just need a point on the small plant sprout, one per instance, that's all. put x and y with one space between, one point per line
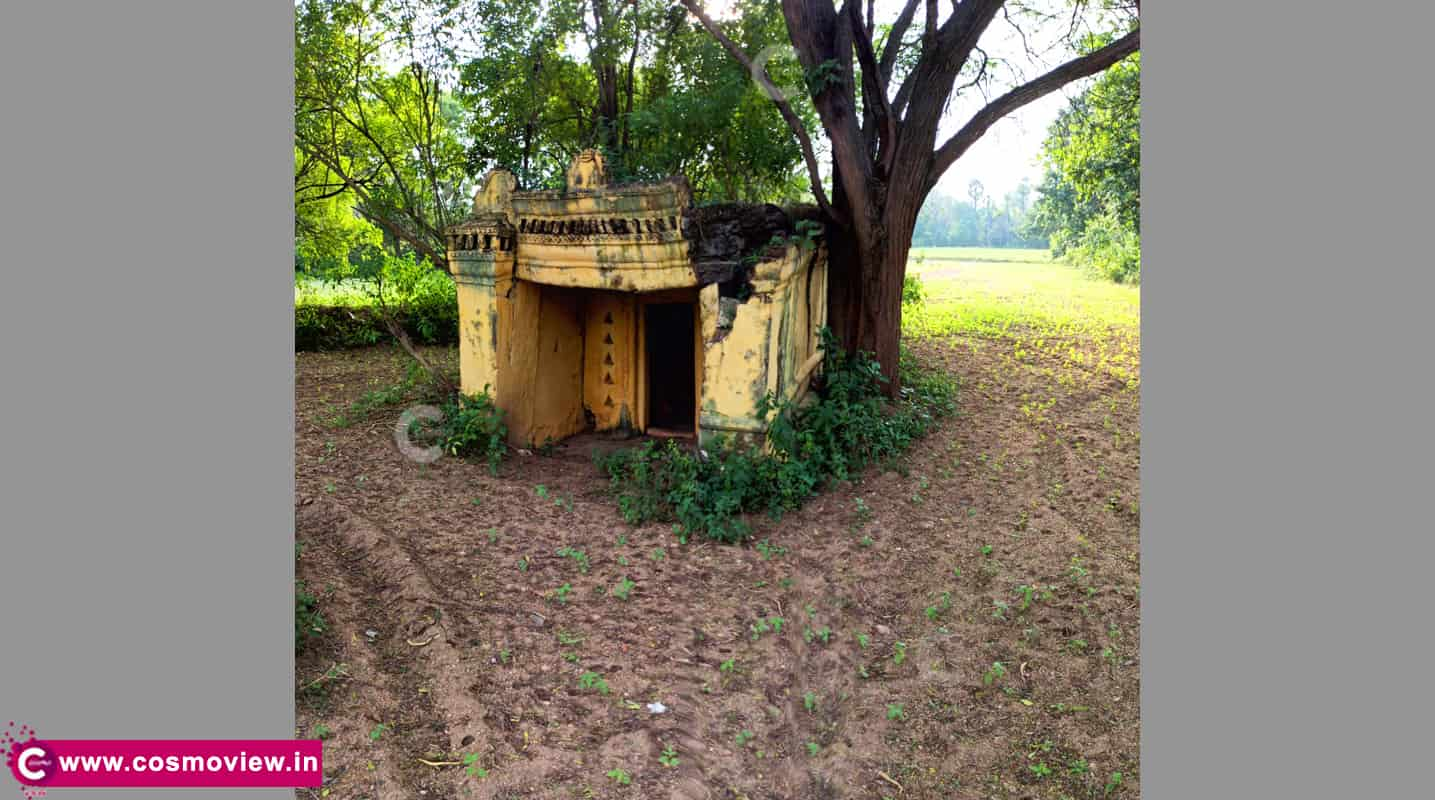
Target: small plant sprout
669 757
1040 770
623 588
999 609
592 680
762 626
541 491
822 634
809 702
770 551
896 711
471 767
728 666
813 749
986 550
863 640
864 512
658 554
994 673
620 777
378 732
321 731
578 556
899 653
561 593
743 737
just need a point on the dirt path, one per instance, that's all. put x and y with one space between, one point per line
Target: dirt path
1010 537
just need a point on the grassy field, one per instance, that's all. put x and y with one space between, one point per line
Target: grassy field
349 293
964 624
1023 296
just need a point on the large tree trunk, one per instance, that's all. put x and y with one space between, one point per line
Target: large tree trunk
605 69
866 265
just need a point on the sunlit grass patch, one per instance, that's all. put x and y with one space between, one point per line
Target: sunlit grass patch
999 254
345 293
1045 307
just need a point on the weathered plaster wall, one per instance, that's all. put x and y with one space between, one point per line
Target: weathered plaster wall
480 278
610 360
756 347
541 386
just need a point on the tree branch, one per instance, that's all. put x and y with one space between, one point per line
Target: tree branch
894 41
875 88
943 54
823 41
423 248
1087 65
783 107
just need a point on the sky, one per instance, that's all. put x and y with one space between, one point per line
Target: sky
1007 153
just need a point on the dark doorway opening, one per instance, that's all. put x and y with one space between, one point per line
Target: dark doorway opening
670 347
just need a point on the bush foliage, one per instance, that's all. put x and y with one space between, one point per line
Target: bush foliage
1106 248
1090 197
474 427
850 426
347 307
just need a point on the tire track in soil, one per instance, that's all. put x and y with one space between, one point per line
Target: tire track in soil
381 696
393 572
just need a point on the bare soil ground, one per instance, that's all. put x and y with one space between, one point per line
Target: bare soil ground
964 624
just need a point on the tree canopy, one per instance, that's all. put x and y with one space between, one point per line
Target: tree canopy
1090 202
400 105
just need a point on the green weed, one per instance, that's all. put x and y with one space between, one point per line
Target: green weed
592 680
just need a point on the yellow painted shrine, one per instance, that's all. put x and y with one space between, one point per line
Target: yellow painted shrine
624 307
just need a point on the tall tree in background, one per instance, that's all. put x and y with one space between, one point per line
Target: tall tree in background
638 80
886 157
1090 204
383 136
401 104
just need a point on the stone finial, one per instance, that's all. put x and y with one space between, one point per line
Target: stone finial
587 171
495 192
